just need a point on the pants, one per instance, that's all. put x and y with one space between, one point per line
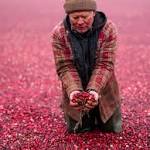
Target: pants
93 120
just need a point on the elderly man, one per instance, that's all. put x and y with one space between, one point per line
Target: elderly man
84 46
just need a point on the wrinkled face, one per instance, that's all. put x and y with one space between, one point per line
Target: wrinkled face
81 21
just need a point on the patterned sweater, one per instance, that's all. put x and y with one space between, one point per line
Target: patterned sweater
102 80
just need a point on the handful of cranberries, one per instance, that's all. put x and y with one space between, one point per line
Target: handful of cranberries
82 98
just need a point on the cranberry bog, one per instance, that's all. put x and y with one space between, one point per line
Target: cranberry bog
30 92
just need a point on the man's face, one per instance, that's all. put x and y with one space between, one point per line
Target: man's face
82 21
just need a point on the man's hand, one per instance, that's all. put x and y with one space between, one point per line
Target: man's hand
78 100
84 100
72 102
92 101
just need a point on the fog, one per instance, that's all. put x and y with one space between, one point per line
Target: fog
16 11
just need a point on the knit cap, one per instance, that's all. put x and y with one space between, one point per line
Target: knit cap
77 5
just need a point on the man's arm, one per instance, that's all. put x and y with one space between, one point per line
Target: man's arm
105 59
64 63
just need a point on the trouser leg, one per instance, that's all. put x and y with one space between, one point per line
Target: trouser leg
87 123
114 124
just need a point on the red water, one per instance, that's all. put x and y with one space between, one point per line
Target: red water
30 93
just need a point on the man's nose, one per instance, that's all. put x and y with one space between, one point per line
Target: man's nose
80 21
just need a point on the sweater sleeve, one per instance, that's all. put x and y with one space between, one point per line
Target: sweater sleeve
64 62
105 58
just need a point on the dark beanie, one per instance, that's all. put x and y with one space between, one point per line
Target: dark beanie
77 5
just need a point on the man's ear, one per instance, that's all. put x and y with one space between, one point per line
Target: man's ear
94 13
